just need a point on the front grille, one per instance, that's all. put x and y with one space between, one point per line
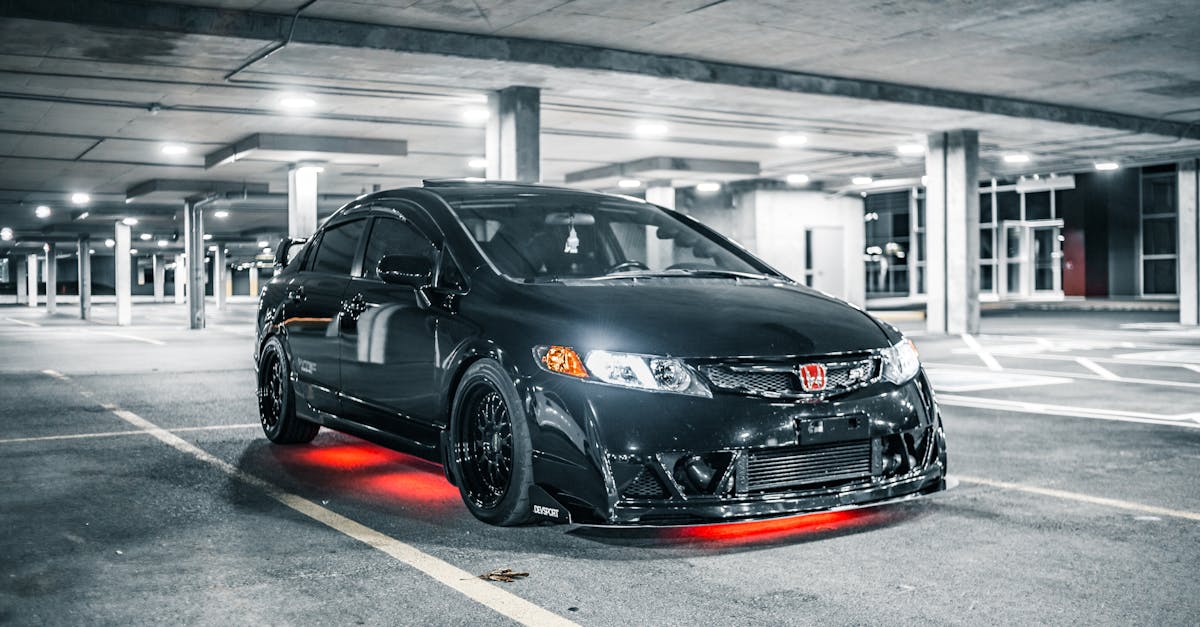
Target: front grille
796 466
645 486
779 380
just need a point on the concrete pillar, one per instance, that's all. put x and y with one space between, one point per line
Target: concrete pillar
180 277
160 278
218 276
31 278
254 280
84 271
22 281
514 130
228 282
660 253
123 280
194 247
302 201
952 232
51 278
1188 186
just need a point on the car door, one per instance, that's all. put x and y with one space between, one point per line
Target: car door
313 309
388 340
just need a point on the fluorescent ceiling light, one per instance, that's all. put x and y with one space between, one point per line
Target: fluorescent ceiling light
145 236
911 150
208 236
6 234
476 114
477 164
221 213
129 221
133 251
797 179
296 101
650 129
266 249
82 216
162 243
174 149
1016 158
110 243
42 212
213 247
861 180
80 198
708 187
1105 166
788 141
629 183
264 243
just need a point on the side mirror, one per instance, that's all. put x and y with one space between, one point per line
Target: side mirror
287 247
411 270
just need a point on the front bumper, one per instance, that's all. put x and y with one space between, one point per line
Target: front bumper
615 456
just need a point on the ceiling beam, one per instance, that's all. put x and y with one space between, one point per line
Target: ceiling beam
178 18
319 146
664 164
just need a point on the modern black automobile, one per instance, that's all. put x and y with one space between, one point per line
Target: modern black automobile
589 358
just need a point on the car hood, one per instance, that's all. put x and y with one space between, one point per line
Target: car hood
694 318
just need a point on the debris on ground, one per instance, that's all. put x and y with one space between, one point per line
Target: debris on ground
503 574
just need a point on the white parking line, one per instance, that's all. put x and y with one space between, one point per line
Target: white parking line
1069 375
983 353
1096 368
1192 367
132 337
1188 420
28 324
1084 498
108 434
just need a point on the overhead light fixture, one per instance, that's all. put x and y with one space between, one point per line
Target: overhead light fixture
129 221
792 140
629 183
911 149
1104 166
476 115
650 129
83 216
708 187
145 236
1019 157
6 234
220 213
91 251
80 198
110 243
174 149
862 180
133 251
264 243
208 236
266 249
162 243
797 179
296 102
213 248
42 212
477 164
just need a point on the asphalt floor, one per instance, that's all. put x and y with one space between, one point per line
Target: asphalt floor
137 488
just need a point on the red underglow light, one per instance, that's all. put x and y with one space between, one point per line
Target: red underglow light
349 456
776 528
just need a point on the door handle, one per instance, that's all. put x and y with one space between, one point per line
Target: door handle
296 295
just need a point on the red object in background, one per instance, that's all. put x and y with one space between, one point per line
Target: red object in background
1074 263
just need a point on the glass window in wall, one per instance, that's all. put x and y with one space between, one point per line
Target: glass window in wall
1008 206
1159 234
887 218
1037 206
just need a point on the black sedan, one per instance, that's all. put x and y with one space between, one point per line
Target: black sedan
588 358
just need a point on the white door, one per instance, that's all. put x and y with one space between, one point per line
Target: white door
826 267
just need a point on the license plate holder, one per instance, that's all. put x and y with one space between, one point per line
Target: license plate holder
823 430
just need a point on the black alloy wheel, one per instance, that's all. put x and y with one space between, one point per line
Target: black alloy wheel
276 409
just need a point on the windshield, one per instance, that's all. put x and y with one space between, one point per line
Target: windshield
550 236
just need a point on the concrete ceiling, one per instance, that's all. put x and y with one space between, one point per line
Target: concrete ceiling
90 93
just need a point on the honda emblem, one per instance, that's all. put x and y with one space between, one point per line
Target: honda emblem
812 377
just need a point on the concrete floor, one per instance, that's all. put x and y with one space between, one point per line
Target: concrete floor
1074 438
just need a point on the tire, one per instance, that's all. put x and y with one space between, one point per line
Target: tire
488 423
276 402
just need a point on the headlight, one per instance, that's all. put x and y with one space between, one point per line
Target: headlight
900 362
643 372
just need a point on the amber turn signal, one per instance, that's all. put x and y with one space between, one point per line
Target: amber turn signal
563 360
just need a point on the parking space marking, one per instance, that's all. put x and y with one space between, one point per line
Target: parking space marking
1189 420
23 322
1084 498
1097 368
136 338
1070 375
982 352
109 434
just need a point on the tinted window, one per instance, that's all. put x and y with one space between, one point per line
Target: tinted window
335 253
393 237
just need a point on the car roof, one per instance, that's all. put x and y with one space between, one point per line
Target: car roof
452 190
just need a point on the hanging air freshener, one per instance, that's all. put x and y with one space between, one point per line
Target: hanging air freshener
572 246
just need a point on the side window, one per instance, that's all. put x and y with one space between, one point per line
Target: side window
335 252
393 237
451 275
